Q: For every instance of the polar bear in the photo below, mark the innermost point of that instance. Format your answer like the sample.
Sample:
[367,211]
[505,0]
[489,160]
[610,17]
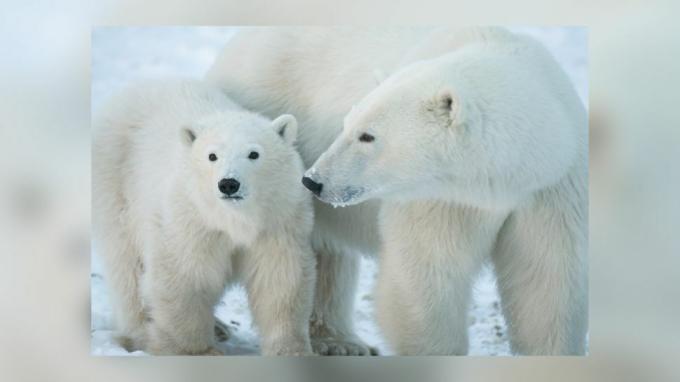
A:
[191,194]
[448,147]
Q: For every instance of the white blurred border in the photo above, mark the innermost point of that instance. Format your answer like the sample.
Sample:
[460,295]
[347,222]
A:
[44,188]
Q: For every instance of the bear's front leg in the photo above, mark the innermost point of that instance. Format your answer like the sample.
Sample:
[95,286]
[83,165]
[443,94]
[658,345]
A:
[426,274]
[279,276]
[182,287]
[541,265]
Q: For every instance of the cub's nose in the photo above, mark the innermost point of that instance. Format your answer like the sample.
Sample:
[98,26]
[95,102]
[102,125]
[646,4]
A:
[228,186]
[312,185]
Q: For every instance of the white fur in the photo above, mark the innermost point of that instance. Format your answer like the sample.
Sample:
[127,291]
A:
[171,242]
[480,152]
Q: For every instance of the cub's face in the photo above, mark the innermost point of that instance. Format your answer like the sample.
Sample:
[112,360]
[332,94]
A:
[396,143]
[235,155]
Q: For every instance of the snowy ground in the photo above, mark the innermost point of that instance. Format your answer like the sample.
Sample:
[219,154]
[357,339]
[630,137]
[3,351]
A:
[123,55]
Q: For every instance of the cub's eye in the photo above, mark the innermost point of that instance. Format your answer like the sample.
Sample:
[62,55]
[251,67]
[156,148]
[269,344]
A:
[253,155]
[366,138]
[212,157]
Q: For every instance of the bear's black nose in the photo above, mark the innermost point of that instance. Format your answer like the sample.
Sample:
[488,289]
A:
[312,185]
[228,186]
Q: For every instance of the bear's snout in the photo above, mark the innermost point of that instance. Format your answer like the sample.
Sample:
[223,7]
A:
[312,185]
[228,186]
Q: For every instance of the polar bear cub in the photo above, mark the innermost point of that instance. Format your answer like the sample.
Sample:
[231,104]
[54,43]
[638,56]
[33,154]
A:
[193,193]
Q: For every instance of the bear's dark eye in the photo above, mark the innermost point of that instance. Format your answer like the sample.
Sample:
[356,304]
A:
[253,155]
[366,138]
[212,157]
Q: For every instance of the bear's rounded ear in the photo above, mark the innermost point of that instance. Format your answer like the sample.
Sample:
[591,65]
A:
[187,135]
[446,104]
[286,127]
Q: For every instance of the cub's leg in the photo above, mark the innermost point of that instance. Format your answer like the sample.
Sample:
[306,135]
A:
[123,272]
[184,280]
[113,232]
[279,275]
[541,266]
[431,256]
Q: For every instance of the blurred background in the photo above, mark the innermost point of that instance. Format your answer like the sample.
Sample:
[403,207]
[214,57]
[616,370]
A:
[45,87]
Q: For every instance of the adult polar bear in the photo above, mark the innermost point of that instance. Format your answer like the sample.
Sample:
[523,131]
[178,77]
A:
[476,147]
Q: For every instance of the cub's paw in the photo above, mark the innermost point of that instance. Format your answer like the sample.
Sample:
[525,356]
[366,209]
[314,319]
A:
[212,351]
[222,332]
[292,348]
[350,347]
[129,343]
[297,354]
[155,349]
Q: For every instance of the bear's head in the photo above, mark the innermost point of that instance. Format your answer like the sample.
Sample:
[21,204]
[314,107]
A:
[240,159]
[397,142]
[470,127]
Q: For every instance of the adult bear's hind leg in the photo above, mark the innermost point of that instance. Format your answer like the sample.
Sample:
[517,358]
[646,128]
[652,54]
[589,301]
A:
[331,325]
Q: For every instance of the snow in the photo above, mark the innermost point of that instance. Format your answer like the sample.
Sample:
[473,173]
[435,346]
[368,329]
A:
[124,55]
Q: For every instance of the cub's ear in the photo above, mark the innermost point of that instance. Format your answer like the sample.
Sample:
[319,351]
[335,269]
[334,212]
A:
[286,127]
[446,105]
[187,135]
